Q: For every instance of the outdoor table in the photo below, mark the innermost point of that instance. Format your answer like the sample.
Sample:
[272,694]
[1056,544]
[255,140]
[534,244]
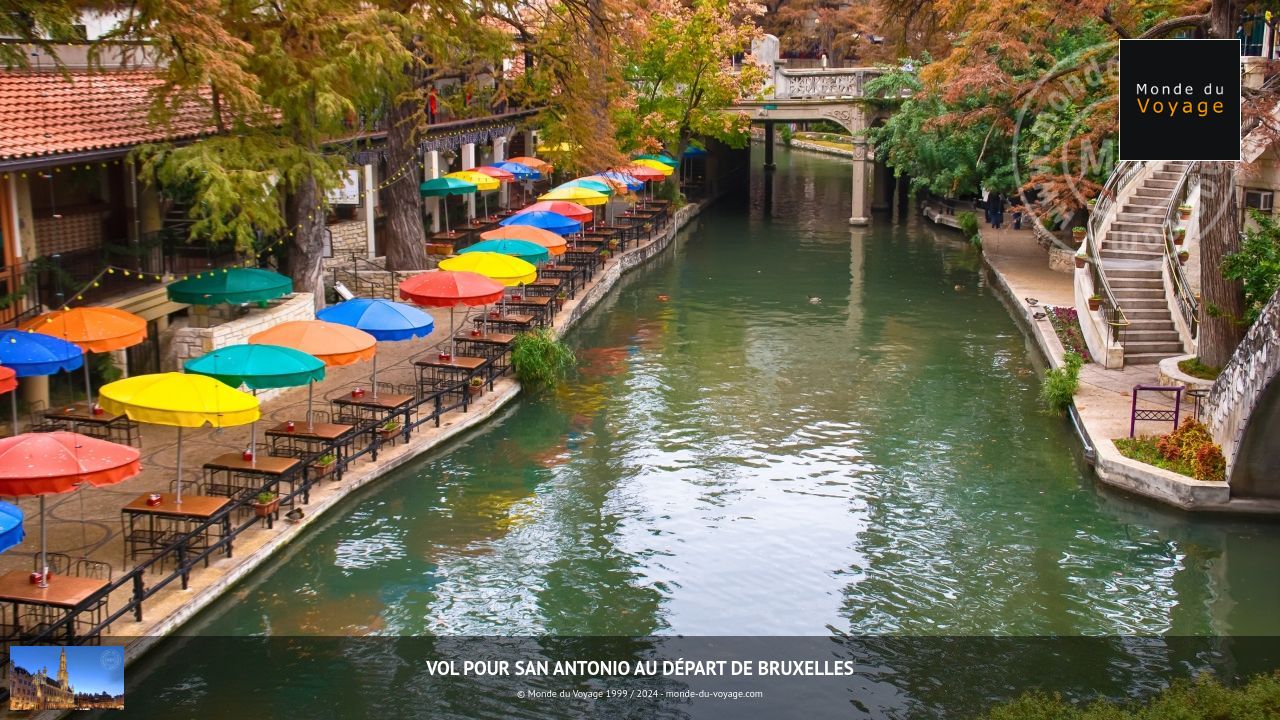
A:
[79,417]
[379,410]
[319,438]
[514,322]
[543,307]
[254,473]
[451,376]
[544,286]
[585,259]
[64,591]
[565,272]
[175,520]
[455,237]
[494,346]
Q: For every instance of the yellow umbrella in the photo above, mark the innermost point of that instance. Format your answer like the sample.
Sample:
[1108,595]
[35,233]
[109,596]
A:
[509,271]
[663,168]
[480,180]
[617,187]
[580,195]
[179,399]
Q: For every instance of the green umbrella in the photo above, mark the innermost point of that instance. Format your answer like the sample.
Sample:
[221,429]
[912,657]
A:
[531,253]
[665,160]
[443,186]
[230,285]
[258,367]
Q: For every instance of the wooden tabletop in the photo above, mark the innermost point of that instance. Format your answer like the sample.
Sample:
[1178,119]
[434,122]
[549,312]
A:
[493,338]
[65,591]
[513,318]
[530,300]
[457,362]
[384,401]
[447,236]
[317,431]
[80,412]
[201,507]
[262,464]
[546,282]
[558,269]
[600,233]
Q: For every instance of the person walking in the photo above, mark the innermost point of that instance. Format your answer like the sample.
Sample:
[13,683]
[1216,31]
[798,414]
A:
[433,104]
[996,203]
[986,204]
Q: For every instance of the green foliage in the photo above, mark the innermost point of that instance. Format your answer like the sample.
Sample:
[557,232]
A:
[104,368]
[1060,384]
[968,224]
[1257,264]
[787,135]
[1188,450]
[1197,369]
[540,359]
[1202,699]
[265,497]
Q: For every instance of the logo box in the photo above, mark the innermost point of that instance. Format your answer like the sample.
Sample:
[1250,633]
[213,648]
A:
[1179,100]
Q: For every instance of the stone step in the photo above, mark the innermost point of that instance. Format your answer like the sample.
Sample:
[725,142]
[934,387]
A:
[1136,293]
[1143,304]
[1143,358]
[1146,314]
[1144,218]
[1135,283]
[1167,347]
[1130,254]
[1154,182]
[1167,175]
[1132,227]
[1132,243]
[1152,208]
[1144,334]
[1145,325]
[1122,273]
[1155,196]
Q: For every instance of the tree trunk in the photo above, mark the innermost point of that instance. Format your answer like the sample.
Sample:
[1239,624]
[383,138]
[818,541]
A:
[1224,18]
[306,247]
[1221,300]
[405,240]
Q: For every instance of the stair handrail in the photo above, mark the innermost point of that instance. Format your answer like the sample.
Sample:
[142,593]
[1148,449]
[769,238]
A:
[1121,176]
[1187,304]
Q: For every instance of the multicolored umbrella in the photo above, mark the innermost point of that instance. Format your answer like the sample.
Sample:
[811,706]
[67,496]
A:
[11,530]
[552,222]
[443,187]
[383,319]
[571,210]
[630,181]
[661,167]
[57,462]
[95,329]
[497,173]
[580,195]
[332,343]
[554,244]
[643,172]
[664,159]
[230,285]
[483,183]
[523,249]
[440,288]
[181,400]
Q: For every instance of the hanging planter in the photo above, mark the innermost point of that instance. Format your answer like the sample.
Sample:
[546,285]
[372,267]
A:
[1095,303]
[1179,235]
[1184,212]
[1077,233]
[1182,256]
[265,504]
[1081,260]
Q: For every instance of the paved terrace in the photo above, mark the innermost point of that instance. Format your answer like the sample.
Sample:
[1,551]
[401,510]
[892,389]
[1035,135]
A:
[87,523]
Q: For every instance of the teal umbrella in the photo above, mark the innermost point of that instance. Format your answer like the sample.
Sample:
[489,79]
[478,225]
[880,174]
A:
[589,185]
[230,285]
[665,160]
[532,253]
[445,186]
[259,367]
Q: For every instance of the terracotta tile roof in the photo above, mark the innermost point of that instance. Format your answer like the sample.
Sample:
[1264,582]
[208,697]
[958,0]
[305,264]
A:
[48,113]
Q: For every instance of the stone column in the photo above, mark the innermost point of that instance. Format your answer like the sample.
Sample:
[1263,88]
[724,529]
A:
[370,200]
[468,162]
[883,187]
[861,175]
[431,171]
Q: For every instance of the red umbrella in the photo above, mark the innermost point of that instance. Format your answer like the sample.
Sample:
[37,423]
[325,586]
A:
[496,173]
[9,383]
[571,210]
[444,288]
[58,462]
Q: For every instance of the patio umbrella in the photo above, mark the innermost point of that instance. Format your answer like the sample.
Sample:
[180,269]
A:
[632,182]
[598,186]
[257,367]
[504,269]
[230,285]
[642,172]
[527,251]
[30,354]
[661,167]
[693,151]
[443,187]
[664,159]
[552,222]
[57,462]
[519,170]
[94,329]
[571,210]
[11,530]
[617,187]
[483,183]
[554,244]
[330,342]
[9,384]
[497,173]
[541,166]
[383,319]
[440,288]
[181,400]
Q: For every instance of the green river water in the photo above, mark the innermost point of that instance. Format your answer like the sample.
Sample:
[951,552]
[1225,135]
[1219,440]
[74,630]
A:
[733,459]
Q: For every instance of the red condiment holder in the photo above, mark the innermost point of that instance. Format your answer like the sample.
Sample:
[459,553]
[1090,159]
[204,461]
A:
[357,392]
[476,333]
[515,298]
[153,499]
[97,409]
[247,455]
[445,356]
[288,426]
[36,578]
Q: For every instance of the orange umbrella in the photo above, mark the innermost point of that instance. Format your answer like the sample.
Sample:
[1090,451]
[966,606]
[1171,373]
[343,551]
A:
[540,165]
[554,244]
[333,343]
[94,329]
[9,383]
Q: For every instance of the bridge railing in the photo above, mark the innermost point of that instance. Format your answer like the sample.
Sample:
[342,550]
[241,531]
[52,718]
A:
[821,83]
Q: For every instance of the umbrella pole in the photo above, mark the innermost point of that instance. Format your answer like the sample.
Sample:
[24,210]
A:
[253,439]
[179,500]
[13,405]
[44,560]
[453,341]
[374,380]
[486,204]
[88,389]
[311,387]
[444,202]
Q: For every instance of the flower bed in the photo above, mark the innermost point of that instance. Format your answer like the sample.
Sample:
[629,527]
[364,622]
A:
[1066,323]
[1189,450]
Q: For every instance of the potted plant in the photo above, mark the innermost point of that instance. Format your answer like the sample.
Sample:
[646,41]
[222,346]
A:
[1179,235]
[476,386]
[1182,256]
[265,504]
[1077,233]
[324,464]
[562,296]
[604,254]
[1184,211]
[1081,259]
[1095,302]
[613,244]
[1092,203]
[388,429]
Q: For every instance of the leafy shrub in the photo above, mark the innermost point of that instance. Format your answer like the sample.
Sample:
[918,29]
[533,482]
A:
[1188,450]
[540,359]
[1257,264]
[1060,384]
[1197,369]
[968,223]
[1202,699]
[1066,323]
[785,132]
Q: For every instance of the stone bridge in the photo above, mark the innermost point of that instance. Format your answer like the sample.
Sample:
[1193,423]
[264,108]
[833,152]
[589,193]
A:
[834,94]
[1243,409]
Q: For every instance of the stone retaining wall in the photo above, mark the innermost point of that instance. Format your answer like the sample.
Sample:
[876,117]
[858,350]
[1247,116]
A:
[349,238]
[1236,392]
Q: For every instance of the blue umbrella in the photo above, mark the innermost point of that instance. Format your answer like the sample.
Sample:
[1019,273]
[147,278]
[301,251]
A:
[554,222]
[11,531]
[588,184]
[631,182]
[31,354]
[693,151]
[383,319]
[532,253]
[522,172]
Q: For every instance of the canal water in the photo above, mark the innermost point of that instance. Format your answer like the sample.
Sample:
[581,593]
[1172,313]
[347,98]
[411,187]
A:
[782,427]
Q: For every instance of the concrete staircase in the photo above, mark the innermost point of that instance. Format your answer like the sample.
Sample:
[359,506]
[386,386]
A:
[1132,252]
